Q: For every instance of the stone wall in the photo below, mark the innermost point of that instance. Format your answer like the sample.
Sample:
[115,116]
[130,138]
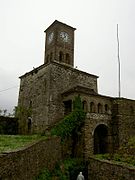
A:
[8,125]
[104,170]
[26,163]
[40,94]
[34,99]
[62,79]
[124,118]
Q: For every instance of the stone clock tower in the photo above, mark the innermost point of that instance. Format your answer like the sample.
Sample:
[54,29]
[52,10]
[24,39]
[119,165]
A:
[59,44]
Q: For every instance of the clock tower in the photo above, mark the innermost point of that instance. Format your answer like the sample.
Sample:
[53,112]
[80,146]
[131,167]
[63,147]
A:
[59,44]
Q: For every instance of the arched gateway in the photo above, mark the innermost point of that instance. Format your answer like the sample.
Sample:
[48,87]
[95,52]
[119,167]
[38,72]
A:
[101,139]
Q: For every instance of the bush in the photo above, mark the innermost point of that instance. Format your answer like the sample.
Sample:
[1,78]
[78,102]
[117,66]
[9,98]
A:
[45,174]
[65,170]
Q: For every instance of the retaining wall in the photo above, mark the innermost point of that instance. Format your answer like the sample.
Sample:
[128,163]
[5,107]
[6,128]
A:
[106,170]
[26,163]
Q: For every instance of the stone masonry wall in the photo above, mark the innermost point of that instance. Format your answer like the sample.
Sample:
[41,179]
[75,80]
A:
[124,117]
[34,99]
[62,79]
[105,170]
[40,94]
[26,163]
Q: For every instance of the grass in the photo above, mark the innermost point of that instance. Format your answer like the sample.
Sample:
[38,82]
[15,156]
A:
[122,159]
[125,154]
[13,142]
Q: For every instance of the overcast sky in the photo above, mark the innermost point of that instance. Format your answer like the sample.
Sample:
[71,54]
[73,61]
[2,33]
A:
[22,25]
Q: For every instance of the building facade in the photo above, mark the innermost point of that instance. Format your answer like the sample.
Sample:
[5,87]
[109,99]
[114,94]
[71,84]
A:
[47,92]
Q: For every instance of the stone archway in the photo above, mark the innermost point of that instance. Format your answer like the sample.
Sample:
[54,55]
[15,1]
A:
[101,139]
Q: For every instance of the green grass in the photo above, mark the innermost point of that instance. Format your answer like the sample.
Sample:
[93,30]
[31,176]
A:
[13,142]
[119,158]
[125,154]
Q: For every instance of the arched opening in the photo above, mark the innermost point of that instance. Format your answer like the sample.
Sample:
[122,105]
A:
[61,56]
[92,107]
[29,124]
[101,139]
[85,107]
[100,109]
[106,108]
[67,58]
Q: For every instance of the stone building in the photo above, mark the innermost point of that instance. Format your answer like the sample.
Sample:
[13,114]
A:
[47,92]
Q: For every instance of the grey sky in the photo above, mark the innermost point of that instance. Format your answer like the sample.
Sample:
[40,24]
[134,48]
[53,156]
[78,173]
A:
[22,25]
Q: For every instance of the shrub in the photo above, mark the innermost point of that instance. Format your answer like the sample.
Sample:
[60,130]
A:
[72,122]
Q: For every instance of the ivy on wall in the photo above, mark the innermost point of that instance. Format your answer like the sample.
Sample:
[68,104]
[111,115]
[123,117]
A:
[21,110]
[72,122]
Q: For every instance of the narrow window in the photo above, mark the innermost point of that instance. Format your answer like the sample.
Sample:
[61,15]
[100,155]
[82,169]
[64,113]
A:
[106,108]
[85,107]
[29,124]
[61,56]
[67,58]
[100,108]
[51,56]
[92,107]
[67,107]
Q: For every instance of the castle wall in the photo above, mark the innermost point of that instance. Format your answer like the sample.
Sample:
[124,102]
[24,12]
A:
[124,117]
[27,162]
[104,170]
[62,79]
[33,100]
[95,118]
[40,94]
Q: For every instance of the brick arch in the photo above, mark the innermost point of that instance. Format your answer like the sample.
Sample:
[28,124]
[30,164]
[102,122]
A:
[100,136]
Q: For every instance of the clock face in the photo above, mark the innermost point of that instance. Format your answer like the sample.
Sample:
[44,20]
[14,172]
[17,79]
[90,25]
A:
[64,36]
[50,37]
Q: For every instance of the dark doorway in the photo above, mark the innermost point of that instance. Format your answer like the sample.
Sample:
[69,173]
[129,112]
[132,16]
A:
[67,107]
[101,139]
[29,124]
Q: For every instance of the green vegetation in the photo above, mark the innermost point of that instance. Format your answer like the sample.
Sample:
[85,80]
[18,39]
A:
[125,154]
[21,110]
[65,170]
[70,125]
[129,145]
[12,142]
[72,122]
[126,159]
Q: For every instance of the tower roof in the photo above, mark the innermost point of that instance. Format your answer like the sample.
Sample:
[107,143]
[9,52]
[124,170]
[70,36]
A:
[58,22]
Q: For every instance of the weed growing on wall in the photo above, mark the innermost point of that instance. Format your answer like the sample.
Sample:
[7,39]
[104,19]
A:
[72,122]
[21,111]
